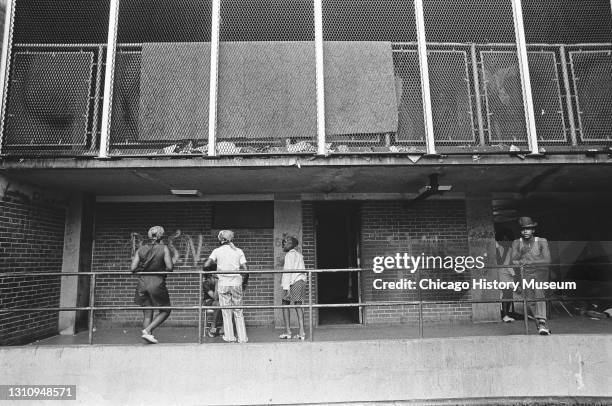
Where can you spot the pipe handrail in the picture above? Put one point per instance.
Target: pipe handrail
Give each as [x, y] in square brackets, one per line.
[202, 309]
[275, 271]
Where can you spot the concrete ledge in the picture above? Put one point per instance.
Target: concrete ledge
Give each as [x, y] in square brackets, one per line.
[246, 161]
[563, 366]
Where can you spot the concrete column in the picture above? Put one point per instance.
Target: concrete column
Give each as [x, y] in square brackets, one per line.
[287, 221]
[481, 240]
[76, 258]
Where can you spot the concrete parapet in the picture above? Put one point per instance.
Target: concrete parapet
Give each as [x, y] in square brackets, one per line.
[302, 372]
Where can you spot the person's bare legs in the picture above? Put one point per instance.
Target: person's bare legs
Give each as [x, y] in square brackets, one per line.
[148, 317]
[300, 316]
[159, 319]
[287, 320]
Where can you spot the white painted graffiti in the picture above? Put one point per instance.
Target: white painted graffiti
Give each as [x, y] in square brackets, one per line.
[189, 249]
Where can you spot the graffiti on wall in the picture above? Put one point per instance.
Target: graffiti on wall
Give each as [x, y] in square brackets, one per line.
[188, 249]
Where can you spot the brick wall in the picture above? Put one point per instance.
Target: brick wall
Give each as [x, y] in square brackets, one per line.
[113, 248]
[31, 239]
[435, 227]
[308, 247]
[308, 235]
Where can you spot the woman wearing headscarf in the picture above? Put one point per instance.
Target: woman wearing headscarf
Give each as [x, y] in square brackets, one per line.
[228, 257]
[151, 289]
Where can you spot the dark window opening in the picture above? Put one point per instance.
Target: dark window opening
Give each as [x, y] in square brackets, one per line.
[230, 215]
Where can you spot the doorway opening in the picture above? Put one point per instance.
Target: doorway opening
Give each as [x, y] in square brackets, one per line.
[338, 229]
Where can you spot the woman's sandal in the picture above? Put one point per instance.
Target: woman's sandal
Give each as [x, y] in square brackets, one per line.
[284, 336]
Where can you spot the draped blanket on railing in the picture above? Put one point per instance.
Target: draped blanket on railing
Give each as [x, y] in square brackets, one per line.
[266, 90]
[174, 83]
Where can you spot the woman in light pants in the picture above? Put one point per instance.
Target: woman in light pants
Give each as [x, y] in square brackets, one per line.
[228, 257]
[232, 296]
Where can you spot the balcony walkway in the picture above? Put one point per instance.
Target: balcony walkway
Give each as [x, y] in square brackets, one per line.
[184, 335]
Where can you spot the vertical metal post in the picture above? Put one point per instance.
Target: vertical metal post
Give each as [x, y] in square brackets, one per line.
[477, 91]
[206, 320]
[420, 304]
[424, 69]
[7, 43]
[310, 320]
[96, 113]
[525, 309]
[92, 290]
[519, 31]
[109, 74]
[320, 85]
[568, 95]
[214, 78]
[200, 310]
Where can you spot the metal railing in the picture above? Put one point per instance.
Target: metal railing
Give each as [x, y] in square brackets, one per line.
[202, 314]
[470, 104]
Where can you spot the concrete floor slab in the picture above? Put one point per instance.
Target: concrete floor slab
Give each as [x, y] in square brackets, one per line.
[131, 335]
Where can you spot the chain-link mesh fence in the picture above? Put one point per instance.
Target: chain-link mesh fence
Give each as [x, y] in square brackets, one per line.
[61, 21]
[475, 83]
[582, 76]
[267, 88]
[267, 93]
[469, 21]
[48, 103]
[501, 83]
[591, 73]
[54, 78]
[410, 135]
[567, 21]
[451, 98]
[547, 101]
[126, 98]
[372, 79]
[161, 80]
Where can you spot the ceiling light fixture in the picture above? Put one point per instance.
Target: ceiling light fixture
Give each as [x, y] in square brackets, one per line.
[185, 192]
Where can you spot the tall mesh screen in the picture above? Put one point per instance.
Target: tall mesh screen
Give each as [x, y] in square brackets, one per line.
[410, 124]
[451, 98]
[467, 21]
[161, 80]
[546, 84]
[579, 35]
[474, 75]
[58, 117]
[372, 78]
[503, 97]
[267, 90]
[54, 78]
[567, 21]
[591, 73]
[126, 97]
[61, 21]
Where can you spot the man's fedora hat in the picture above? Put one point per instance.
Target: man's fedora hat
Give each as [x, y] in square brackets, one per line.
[526, 222]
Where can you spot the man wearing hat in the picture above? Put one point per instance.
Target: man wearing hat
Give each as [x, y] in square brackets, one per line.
[531, 253]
